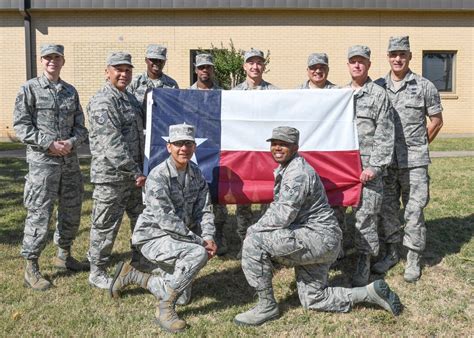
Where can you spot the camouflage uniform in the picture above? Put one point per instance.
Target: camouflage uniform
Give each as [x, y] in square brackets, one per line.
[46, 112]
[244, 211]
[328, 85]
[117, 140]
[299, 229]
[408, 176]
[376, 136]
[142, 83]
[214, 87]
[177, 219]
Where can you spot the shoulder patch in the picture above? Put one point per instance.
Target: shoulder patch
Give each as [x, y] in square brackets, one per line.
[100, 117]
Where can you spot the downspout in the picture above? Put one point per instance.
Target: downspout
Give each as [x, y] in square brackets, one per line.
[23, 7]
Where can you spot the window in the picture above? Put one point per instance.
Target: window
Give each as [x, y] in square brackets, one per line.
[438, 67]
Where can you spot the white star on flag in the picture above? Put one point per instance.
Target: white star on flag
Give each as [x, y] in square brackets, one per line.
[198, 141]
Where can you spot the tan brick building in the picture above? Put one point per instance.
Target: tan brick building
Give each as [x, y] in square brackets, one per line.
[291, 30]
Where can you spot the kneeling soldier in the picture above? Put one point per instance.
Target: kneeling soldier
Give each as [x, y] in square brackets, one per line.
[175, 231]
[299, 229]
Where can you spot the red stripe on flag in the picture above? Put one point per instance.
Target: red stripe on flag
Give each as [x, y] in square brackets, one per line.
[247, 176]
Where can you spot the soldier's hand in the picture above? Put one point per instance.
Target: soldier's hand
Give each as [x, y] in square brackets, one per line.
[57, 149]
[367, 175]
[140, 181]
[67, 144]
[211, 248]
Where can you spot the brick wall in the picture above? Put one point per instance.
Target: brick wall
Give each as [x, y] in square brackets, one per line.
[88, 37]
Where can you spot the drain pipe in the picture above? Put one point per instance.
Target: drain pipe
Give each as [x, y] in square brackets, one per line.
[23, 7]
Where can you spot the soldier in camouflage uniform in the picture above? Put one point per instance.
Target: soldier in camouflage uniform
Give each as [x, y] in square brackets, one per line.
[299, 229]
[375, 128]
[48, 118]
[116, 141]
[414, 98]
[175, 231]
[204, 68]
[154, 77]
[318, 70]
[254, 66]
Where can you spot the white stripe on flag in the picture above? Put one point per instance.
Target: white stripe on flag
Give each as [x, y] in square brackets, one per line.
[325, 118]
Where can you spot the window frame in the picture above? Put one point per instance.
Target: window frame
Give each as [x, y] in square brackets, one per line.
[453, 69]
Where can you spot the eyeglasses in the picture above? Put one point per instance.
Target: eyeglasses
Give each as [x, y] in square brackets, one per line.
[187, 144]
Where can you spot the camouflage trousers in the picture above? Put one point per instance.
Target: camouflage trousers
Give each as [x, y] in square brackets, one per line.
[412, 185]
[46, 183]
[220, 217]
[244, 216]
[111, 200]
[340, 213]
[309, 252]
[176, 264]
[366, 239]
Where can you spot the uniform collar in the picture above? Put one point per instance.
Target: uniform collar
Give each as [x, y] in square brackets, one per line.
[46, 83]
[117, 93]
[172, 168]
[409, 77]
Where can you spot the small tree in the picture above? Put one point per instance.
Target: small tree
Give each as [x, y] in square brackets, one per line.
[228, 64]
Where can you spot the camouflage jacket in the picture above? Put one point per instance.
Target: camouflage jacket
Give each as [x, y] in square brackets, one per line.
[416, 98]
[214, 87]
[328, 85]
[263, 86]
[141, 83]
[299, 200]
[375, 126]
[44, 114]
[174, 210]
[116, 135]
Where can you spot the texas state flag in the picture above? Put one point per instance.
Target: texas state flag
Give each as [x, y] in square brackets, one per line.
[231, 132]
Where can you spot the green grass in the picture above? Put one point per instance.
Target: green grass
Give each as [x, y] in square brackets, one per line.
[452, 144]
[440, 304]
[11, 146]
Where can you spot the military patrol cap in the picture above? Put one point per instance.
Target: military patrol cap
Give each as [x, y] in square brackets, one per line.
[318, 58]
[49, 48]
[358, 50]
[286, 134]
[398, 43]
[253, 52]
[156, 52]
[204, 59]
[119, 58]
[181, 132]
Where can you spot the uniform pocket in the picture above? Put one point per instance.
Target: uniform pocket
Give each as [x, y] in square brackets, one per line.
[35, 191]
[286, 245]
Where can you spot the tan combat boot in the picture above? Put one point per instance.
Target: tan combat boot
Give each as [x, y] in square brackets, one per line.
[64, 261]
[413, 268]
[33, 277]
[126, 274]
[166, 315]
[265, 310]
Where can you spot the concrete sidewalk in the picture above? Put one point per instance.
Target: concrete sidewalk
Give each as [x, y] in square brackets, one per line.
[84, 152]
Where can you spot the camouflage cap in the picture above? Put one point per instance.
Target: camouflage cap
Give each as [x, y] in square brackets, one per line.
[204, 59]
[358, 50]
[181, 132]
[156, 52]
[318, 59]
[253, 52]
[398, 43]
[50, 48]
[119, 58]
[286, 134]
